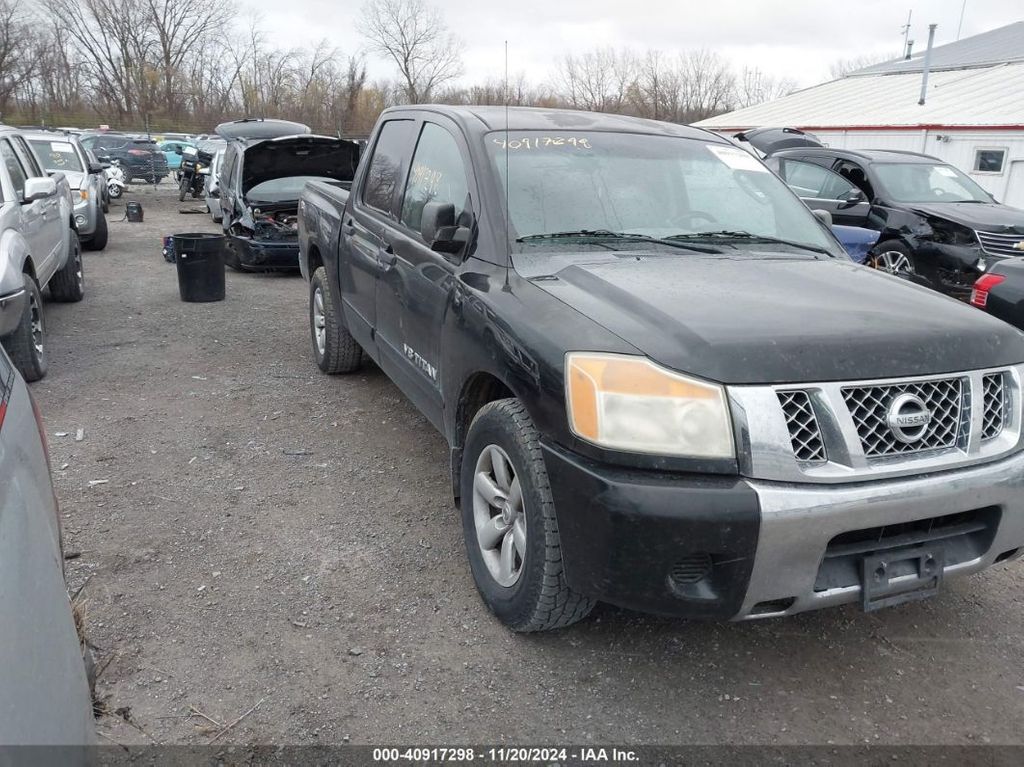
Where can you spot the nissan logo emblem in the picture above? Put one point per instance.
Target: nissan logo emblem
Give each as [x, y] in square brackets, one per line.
[908, 418]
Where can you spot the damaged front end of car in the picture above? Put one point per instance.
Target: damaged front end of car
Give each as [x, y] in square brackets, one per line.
[263, 233]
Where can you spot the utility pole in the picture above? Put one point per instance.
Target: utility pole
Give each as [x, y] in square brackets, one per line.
[906, 34]
[960, 26]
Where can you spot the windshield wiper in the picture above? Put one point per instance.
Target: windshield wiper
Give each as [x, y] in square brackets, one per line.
[607, 234]
[726, 234]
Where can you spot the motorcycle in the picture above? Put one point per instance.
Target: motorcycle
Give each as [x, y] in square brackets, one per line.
[195, 166]
[114, 175]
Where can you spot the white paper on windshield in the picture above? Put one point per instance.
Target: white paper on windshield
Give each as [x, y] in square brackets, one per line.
[737, 159]
[943, 170]
[64, 148]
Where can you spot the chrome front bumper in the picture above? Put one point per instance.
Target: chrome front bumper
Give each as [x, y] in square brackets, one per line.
[799, 520]
[11, 307]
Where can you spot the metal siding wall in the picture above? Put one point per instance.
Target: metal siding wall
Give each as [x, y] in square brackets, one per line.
[957, 151]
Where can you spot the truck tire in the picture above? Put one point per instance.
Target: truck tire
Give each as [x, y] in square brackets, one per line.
[98, 241]
[68, 285]
[334, 348]
[508, 521]
[27, 344]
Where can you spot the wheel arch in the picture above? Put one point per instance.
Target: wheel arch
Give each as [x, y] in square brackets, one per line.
[479, 388]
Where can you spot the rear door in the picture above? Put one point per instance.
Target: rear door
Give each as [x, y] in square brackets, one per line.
[823, 189]
[373, 207]
[416, 282]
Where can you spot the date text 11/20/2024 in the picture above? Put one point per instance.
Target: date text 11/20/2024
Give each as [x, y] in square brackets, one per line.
[503, 754]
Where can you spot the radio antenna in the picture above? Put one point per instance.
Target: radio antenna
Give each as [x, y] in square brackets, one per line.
[508, 223]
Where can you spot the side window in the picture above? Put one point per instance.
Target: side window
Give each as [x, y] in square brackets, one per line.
[385, 171]
[989, 160]
[28, 158]
[437, 175]
[855, 174]
[14, 169]
[806, 179]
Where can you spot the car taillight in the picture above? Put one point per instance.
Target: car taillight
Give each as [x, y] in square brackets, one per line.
[985, 283]
[138, 152]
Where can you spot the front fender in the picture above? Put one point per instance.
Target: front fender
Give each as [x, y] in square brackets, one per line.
[13, 255]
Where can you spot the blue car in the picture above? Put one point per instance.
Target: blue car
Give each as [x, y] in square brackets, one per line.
[172, 151]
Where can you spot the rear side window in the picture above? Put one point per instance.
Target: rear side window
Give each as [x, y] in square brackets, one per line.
[385, 171]
[14, 168]
[437, 175]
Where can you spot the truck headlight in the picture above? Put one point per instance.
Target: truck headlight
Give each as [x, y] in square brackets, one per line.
[628, 403]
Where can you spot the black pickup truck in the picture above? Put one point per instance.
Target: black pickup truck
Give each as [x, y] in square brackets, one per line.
[663, 383]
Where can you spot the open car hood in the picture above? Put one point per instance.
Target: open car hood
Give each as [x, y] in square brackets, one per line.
[304, 155]
[254, 128]
[769, 140]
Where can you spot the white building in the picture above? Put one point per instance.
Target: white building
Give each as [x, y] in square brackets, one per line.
[973, 115]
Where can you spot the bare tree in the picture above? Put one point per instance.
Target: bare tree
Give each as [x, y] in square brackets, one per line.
[709, 84]
[598, 80]
[842, 67]
[414, 36]
[17, 40]
[756, 87]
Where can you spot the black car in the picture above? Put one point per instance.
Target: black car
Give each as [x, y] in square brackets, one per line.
[265, 167]
[934, 220]
[1000, 291]
[139, 157]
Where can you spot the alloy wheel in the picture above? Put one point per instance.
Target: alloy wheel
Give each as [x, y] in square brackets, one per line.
[892, 262]
[38, 330]
[319, 322]
[499, 515]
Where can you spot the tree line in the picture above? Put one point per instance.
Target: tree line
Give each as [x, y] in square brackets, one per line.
[188, 64]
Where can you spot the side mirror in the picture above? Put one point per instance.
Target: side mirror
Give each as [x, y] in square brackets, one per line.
[441, 231]
[39, 189]
[178, 150]
[103, 158]
[823, 216]
[853, 198]
[97, 167]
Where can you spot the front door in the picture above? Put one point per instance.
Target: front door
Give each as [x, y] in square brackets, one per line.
[823, 189]
[33, 223]
[414, 292]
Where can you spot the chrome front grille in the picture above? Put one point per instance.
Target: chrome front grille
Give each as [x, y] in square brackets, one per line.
[848, 431]
[804, 433]
[993, 405]
[1000, 244]
[869, 407]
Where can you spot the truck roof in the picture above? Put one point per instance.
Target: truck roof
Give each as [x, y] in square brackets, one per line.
[483, 119]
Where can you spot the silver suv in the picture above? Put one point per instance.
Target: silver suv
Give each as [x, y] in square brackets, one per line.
[61, 153]
[39, 247]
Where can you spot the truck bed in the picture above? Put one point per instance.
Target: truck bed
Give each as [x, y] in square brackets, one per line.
[321, 208]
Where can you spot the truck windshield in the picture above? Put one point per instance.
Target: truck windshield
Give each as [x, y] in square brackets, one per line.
[927, 182]
[57, 155]
[615, 184]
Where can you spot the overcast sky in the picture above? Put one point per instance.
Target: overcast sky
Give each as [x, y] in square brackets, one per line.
[792, 39]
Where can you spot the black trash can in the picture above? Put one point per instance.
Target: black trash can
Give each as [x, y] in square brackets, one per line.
[199, 258]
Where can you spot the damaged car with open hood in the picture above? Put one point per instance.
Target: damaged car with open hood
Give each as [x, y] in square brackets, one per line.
[265, 167]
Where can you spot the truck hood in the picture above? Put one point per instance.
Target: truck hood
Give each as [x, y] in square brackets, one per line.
[303, 155]
[770, 318]
[985, 216]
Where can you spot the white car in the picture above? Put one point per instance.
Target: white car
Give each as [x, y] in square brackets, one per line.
[39, 247]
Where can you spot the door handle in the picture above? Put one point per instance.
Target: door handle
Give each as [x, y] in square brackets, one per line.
[348, 227]
[387, 257]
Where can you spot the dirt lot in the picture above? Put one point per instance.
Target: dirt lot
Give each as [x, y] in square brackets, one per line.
[270, 535]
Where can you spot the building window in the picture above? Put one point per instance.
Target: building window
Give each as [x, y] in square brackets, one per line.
[989, 160]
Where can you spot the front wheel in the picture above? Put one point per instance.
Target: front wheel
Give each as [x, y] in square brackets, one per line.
[334, 348]
[114, 191]
[893, 257]
[27, 344]
[509, 524]
[183, 186]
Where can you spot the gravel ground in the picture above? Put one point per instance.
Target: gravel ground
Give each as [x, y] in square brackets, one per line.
[269, 536]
